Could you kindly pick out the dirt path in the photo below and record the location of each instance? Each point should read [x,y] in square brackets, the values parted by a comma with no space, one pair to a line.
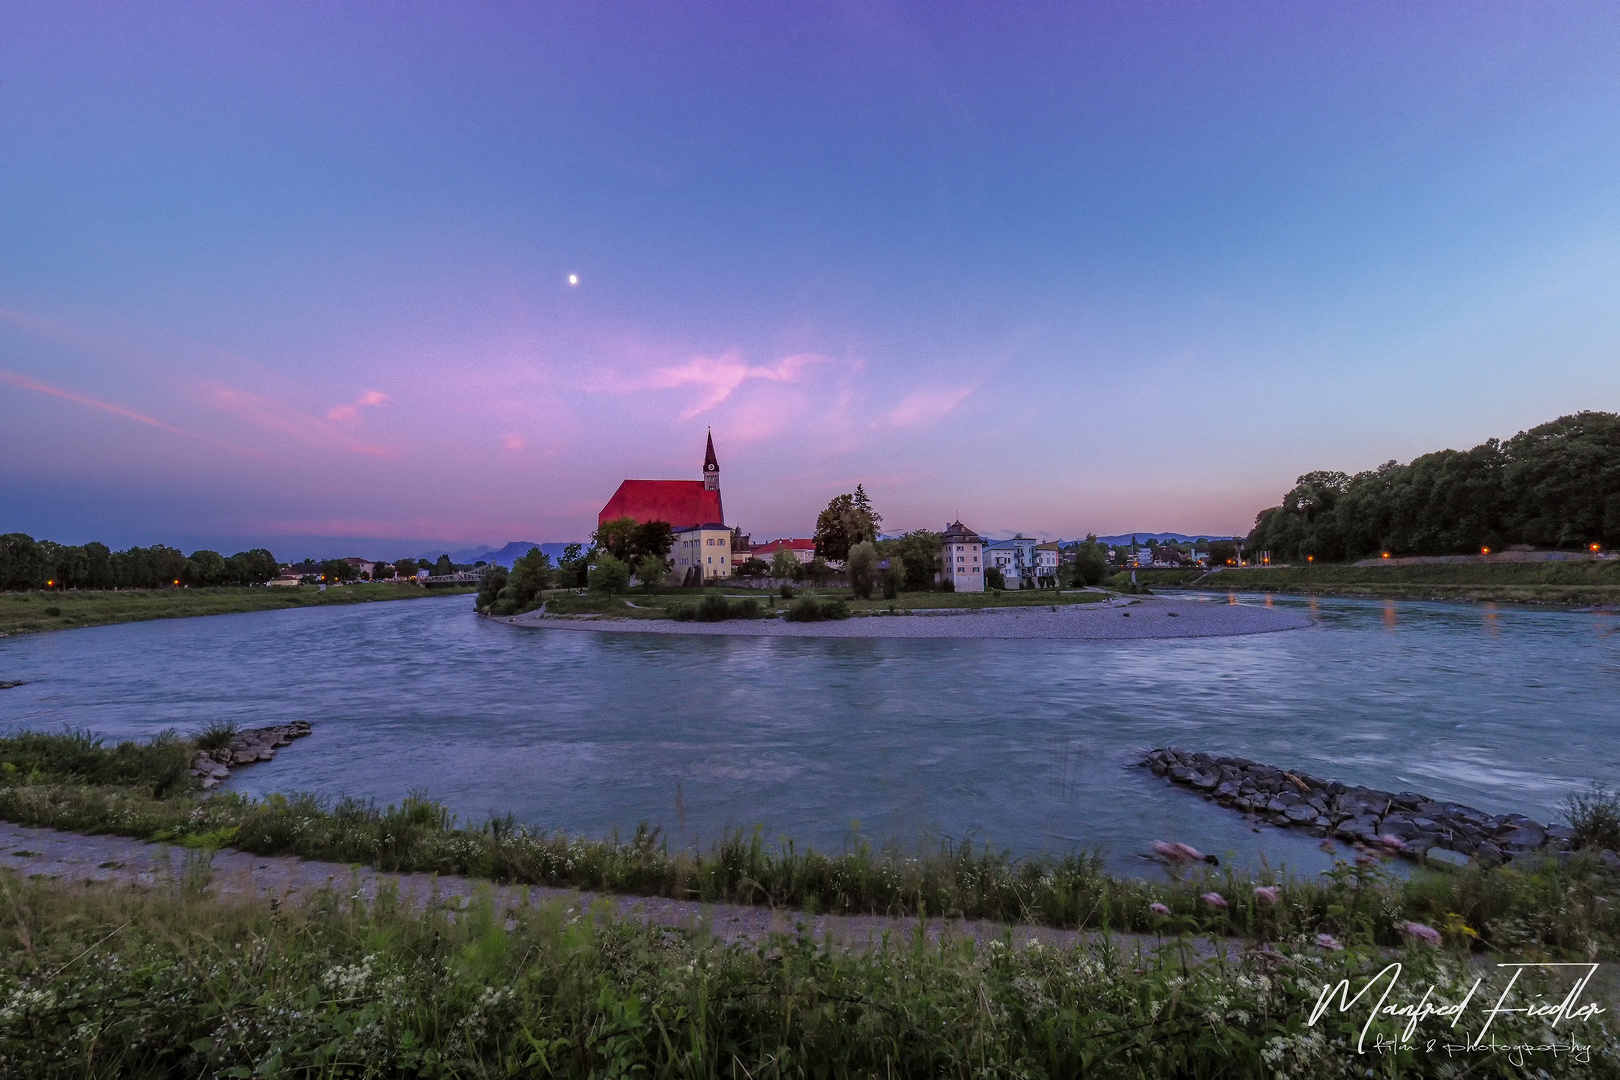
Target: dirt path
[71,858]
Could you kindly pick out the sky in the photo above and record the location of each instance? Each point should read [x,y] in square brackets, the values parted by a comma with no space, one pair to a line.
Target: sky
[367,278]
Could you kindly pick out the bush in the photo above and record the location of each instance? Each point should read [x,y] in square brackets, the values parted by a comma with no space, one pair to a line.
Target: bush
[1595,818]
[214,735]
[994,579]
[715,608]
[787,591]
[947,585]
[809,609]
[861,566]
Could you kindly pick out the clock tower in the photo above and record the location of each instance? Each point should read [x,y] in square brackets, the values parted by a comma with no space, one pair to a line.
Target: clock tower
[711,468]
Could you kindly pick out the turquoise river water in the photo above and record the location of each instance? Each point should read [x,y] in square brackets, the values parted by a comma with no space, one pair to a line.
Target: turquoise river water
[1027,745]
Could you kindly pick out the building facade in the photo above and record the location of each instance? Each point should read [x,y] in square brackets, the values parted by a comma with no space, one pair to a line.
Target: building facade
[701,553]
[692,508]
[962,558]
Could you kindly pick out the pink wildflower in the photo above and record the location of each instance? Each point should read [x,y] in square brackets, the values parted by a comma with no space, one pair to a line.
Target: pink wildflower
[1328,941]
[1426,934]
[1159,909]
[1214,899]
[1267,894]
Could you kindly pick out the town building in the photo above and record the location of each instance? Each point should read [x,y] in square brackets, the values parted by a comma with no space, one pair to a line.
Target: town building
[961,558]
[1015,559]
[803,549]
[1047,557]
[702,548]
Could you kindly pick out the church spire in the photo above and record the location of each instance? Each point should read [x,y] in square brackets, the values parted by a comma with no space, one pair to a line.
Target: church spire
[711,467]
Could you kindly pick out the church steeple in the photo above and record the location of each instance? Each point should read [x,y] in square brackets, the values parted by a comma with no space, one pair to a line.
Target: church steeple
[711,468]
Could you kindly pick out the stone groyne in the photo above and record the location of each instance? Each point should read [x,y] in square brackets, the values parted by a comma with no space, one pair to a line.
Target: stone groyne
[246,747]
[1402,821]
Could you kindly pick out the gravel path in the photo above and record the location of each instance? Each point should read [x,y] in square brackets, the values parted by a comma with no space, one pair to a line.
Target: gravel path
[1149,617]
[70,858]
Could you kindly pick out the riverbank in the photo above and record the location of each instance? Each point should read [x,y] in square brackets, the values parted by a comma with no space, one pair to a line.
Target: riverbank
[32,612]
[1115,619]
[1574,584]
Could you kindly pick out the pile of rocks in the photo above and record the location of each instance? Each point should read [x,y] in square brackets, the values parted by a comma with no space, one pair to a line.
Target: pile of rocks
[246,747]
[1402,821]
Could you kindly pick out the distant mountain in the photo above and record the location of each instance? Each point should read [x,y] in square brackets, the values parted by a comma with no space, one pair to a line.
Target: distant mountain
[1150,537]
[501,557]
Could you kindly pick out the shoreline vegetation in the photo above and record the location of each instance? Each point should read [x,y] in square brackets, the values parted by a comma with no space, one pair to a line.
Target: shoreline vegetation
[32,612]
[1569,584]
[96,980]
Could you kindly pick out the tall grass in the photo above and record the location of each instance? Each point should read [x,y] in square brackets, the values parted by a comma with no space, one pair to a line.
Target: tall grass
[104,983]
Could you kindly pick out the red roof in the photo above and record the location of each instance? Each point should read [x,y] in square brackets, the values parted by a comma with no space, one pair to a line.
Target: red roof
[774,545]
[682,503]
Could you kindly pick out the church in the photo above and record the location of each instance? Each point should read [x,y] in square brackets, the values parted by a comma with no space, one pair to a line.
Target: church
[702,549]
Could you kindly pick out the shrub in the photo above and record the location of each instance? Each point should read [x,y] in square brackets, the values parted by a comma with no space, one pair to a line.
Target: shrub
[214,735]
[1595,818]
[609,574]
[715,608]
[809,609]
[861,567]
[787,591]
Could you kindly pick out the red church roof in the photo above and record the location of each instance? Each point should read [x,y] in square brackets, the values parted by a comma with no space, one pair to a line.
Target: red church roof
[682,503]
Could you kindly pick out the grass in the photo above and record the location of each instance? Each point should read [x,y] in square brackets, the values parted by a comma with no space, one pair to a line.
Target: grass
[30,612]
[74,783]
[687,603]
[98,982]
[1578,583]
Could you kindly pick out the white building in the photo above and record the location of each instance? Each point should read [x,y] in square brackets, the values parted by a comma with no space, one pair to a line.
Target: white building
[1015,559]
[961,558]
[1047,557]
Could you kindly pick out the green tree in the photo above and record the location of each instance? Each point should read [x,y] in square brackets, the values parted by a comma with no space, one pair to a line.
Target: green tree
[574,568]
[847,520]
[895,578]
[22,562]
[994,578]
[609,574]
[1090,563]
[919,551]
[204,568]
[784,564]
[651,570]
[861,566]
[405,568]
[616,536]
[443,566]
[492,590]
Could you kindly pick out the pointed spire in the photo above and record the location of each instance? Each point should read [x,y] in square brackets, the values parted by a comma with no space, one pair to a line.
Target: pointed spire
[709,462]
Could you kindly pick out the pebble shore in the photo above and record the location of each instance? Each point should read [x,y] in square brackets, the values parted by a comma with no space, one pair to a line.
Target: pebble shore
[1148,617]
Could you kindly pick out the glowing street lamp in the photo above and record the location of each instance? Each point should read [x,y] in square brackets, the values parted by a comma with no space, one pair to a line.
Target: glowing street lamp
[1385,555]
[1484,551]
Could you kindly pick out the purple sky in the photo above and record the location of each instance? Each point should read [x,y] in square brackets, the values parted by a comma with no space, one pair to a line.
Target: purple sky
[298,275]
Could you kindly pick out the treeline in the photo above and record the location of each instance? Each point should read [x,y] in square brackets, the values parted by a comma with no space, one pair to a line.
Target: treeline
[1554,486]
[26,563]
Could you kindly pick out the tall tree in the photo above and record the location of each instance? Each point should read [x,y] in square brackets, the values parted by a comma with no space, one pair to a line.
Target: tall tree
[847,520]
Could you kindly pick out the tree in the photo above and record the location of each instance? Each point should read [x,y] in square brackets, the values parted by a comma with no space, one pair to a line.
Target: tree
[861,566]
[205,568]
[895,578]
[652,538]
[784,564]
[336,571]
[847,520]
[1222,552]
[609,574]
[754,568]
[443,566]
[490,590]
[616,536]
[919,552]
[22,562]
[1090,563]
[818,571]
[574,568]
[651,570]
[994,578]
[405,568]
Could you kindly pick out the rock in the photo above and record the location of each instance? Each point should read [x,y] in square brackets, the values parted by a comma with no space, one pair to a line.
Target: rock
[1488,853]
[1301,815]
[1450,858]
[209,782]
[1227,790]
[1401,826]
[1204,781]
[1609,859]
[1523,839]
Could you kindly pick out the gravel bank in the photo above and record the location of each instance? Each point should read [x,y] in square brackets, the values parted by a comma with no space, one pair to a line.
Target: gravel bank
[1148,617]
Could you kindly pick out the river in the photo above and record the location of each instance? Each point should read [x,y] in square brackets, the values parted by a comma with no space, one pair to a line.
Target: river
[1026,745]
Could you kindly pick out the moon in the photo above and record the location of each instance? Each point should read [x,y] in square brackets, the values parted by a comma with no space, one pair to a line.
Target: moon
[573,279]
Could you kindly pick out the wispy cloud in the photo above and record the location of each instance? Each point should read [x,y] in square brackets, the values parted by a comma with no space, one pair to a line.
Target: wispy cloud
[351,411]
[40,387]
[274,416]
[927,406]
[715,377]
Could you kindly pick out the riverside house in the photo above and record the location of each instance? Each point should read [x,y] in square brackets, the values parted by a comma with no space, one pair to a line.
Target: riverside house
[961,558]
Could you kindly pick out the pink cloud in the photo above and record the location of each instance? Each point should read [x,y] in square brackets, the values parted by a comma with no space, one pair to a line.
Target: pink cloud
[370,398]
[274,416]
[927,406]
[715,377]
[39,387]
[513,442]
